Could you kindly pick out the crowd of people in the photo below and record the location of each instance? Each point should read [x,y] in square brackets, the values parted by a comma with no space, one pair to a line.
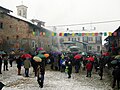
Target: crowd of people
[63,62]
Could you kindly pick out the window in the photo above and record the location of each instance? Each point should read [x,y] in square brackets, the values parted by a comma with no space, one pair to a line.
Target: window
[19,12]
[33,43]
[1,25]
[85,39]
[90,38]
[78,38]
[98,38]
[72,39]
[69,39]
[98,48]
[89,48]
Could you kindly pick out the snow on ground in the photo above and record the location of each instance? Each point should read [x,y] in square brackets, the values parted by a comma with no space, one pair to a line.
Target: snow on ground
[54,80]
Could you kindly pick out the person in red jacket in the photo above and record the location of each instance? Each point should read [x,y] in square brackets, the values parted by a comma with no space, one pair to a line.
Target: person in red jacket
[89,68]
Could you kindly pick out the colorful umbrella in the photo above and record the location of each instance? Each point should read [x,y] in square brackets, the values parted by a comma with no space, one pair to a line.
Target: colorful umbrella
[106,54]
[117,57]
[78,56]
[84,53]
[114,62]
[40,52]
[37,59]
[26,56]
[40,49]
[46,55]
[2,52]
[41,56]
[90,59]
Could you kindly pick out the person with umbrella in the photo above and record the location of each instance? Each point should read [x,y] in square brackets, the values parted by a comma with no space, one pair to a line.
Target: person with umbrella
[40,74]
[40,59]
[27,65]
[89,68]
[77,58]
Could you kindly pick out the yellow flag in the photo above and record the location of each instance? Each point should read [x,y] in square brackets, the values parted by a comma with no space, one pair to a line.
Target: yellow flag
[43,33]
[87,34]
[33,33]
[110,33]
[62,34]
[93,34]
[73,34]
[52,33]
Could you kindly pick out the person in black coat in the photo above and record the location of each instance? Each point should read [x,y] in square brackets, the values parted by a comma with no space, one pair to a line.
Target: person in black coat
[68,69]
[19,64]
[116,76]
[40,74]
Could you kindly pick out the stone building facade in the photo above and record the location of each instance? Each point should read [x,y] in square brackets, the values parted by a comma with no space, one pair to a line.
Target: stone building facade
[17,32]
[90,43]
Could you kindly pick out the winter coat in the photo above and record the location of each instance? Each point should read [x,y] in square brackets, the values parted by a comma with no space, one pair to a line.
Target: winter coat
[89,66]
[19,62]
[27,64]
[0,60]
[62,62]
[5,60]
[116,73]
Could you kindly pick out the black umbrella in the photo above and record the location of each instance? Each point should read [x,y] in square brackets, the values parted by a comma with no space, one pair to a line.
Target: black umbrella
[1,85]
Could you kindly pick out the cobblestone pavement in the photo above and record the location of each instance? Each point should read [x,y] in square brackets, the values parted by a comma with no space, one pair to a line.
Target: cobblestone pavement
[54,80]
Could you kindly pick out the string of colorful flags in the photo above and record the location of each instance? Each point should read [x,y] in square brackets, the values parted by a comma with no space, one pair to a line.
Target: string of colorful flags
[77,34]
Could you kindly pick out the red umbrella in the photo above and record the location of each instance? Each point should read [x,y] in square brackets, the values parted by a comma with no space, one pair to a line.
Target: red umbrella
[26,56]
[40,49]
[106,54]
[90,59]
[78,56]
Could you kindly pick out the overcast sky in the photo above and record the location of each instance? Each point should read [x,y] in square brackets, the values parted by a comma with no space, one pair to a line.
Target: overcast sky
[65,12]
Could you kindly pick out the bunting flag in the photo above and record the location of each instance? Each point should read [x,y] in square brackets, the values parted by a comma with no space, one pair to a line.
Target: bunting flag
[79,34]
[47,34]
[115,34]
[33,33]
[83,34]
[43,33]
[96,34]
[65,34]
[93,34]
[105,33]
[61,34]
[73,34]
[53,34]
[110,33]
[90,34]
[87,34]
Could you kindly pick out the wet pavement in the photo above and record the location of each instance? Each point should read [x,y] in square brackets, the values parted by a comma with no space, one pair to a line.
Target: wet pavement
[54,80]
